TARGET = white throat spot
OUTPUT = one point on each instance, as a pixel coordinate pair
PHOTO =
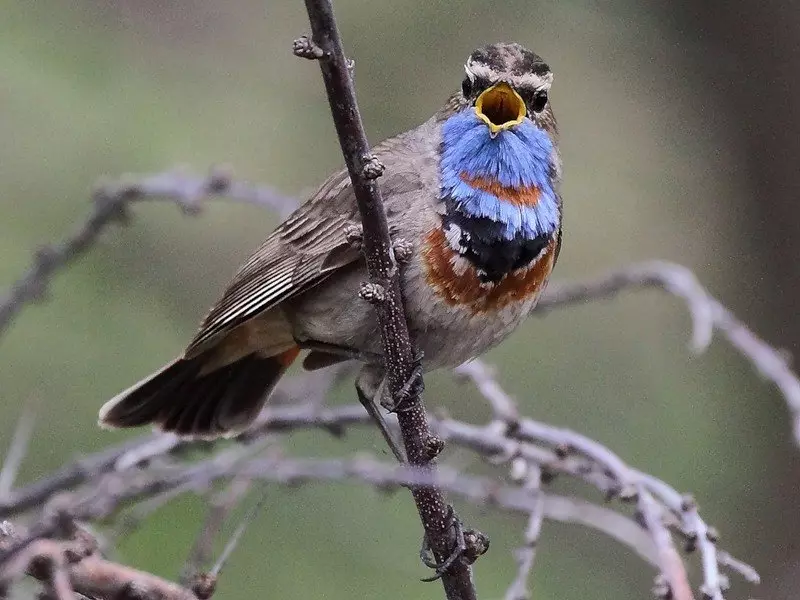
(456, 237)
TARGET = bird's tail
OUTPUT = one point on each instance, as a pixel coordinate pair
(189, 399)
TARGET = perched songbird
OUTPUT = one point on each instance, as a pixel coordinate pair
(475, 191)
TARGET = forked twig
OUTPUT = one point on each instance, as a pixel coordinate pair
(110, 203)
(708, 315)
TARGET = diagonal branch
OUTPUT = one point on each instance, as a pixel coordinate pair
(649, 492)
(110, 203)
(436, 515)
(708, 314)
(526, 555)
(16, 451)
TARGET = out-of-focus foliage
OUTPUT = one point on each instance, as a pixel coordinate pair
(98, 88)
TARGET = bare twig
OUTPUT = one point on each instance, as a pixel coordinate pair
(111, 200)
(518, 590)
(707, 314)
(276, 469)
(16, 450)
(749, 573)
(98, 578)
(436, 515)
(234, 540)
(108, 495)
(204, 583)
(506, 412)
(629, 483)
(712, 581)
(220, 506)
(669, 561)
(68, 476)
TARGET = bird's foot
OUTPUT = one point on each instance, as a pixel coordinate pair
(460, 546)
(345, 352)
(412, 388)
(369, 405)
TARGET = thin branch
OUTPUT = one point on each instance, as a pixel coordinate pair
(436, 515)
(669, 561)
(712, 580)
(518, 590)
(630, 481)
(707, 313)
(219, 508)
(99, 578)
(204, 583)
(67, 477)
(238, 534)
(749, 573)
(17, 450)
(109, 496)
(110, 203)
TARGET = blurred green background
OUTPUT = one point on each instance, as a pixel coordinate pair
(680, 133)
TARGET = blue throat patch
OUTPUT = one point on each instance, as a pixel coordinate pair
(515, 158)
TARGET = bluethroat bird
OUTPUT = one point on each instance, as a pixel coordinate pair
(474, 189)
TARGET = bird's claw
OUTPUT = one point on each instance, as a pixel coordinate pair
(412, 388)
(426, 554)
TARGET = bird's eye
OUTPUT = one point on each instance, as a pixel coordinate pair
(466, 87)
(539, 101)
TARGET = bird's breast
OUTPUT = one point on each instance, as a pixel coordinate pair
(459, 284)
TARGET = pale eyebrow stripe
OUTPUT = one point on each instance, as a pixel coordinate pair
(532, 80)
(528, 80)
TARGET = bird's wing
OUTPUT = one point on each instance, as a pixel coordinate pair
(311, 244)
(302, 252)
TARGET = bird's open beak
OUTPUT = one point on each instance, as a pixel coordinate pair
(500, 107)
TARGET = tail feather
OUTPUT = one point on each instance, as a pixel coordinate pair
(185, 399)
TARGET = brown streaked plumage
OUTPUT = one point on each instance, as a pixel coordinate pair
(301, 286)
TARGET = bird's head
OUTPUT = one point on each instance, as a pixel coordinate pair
(505, 84)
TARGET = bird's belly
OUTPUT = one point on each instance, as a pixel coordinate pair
(457, 316)
(450, 334)
(335, 314)
(449, 340)
(450, 324)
